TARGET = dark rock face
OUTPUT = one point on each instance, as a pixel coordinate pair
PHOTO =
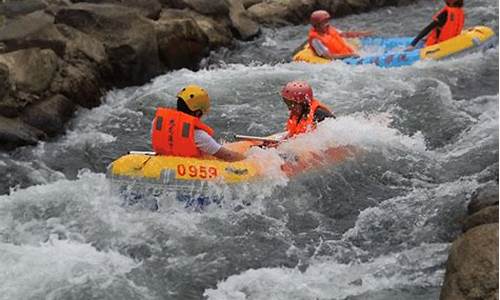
(241, 22)
(15, 133)
(49, 115)
(32, 70)
(483, 197)
(217, 31)
(79, 83)
(181, 42)
(130, 39)
(12, 9)
(35, 30)
(472, 268)
(486, 215)
(213, 7)
(4, 82)
(147, 8)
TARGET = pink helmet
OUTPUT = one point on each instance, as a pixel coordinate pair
(319, 16)
(297, 91)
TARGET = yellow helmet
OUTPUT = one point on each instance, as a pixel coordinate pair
(195, 97)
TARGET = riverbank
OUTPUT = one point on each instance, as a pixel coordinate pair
(56, 56)
(472, 267)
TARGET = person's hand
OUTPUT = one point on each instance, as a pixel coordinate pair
(368, 33)
(410, 48)
(270, 144)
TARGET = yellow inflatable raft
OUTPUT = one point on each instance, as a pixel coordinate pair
(175, 172)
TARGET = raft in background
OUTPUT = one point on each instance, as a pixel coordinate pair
(475, 38)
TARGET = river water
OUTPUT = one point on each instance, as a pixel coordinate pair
(377, 226)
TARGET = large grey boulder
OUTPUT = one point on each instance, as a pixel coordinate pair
(212, 7)
(245, 27)
(15, 133)
(81, 83)
(472, 267)
(49, 115)
(12, 9)
(279, 13)
(148, 8)
(32, 70)
(181, 42)
(35, 30)
(486, 215)
(38, 30)
(4, 82)
(248, 3)
(80, 46)
(270, 13)
(216, 30)
(336, 8)
(129, 38)
(486, 195)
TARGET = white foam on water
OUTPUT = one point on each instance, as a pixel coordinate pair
(331, 280)
(414, 218)
(371, 132)
(55, 267)
(482, 133)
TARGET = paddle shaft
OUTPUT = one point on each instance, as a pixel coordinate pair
(256, 138)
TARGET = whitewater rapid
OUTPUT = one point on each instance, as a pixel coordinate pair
(377, 226)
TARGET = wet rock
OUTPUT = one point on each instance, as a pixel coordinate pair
(49, 115)
(281, 13)
(486, 215)
(472, 267)
(248, 3)
(484, 196)
(4, 82)
(270, 13)
(31, 69)
(32, 31)
(11, 9)
(217, 31)
(129, 38)
(181, 42)
(358, 5)
(337, 8)
(81, 46)
(80, 83)
(212, 7)
(15, 133)
(147, 8)
(245, 27)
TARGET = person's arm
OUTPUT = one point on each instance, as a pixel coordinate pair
(439, 22)
(356, 34)
(228, 155)
(322, 114)
(322, 50)
(207, 145)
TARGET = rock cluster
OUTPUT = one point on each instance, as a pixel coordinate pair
(472, 267)
(56, 55)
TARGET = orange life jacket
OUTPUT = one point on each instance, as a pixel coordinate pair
(332, 40)
(173, 133)
(453, 26)
(295, 126)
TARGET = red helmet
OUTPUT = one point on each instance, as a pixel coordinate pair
(297, 91)
(319, 16)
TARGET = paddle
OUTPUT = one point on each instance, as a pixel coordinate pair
(257, 138)
(142, 152)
